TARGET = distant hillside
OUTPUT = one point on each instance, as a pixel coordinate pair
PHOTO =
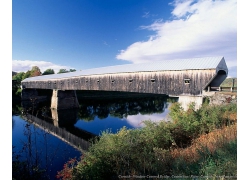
(229, 82)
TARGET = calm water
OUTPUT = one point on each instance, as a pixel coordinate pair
(49, 138)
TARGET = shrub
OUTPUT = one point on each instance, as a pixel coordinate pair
(194, 143)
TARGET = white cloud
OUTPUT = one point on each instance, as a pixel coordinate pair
(146, 15)
(25, 65)
(182, 8)
(198, 29)
(137, 120)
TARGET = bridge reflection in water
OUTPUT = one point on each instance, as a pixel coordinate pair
(61, 125)
(97, 113)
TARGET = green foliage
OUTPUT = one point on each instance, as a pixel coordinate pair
(195, 122)
(128, 151)
(35, 71)
(147, 150)
(229, 82)
(18, 77)
(27, 75)
(16, 83)
(48, 71)
(62, 71)
(65, 71)
(223, 162)
(16, 90)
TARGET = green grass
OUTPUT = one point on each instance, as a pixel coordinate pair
(229, 82)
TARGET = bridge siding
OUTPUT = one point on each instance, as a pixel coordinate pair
(166, 82)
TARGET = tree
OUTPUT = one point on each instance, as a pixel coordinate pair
(62, 71)
(72, 70)
(35, 71)
(48, 71)
(27, 74)
(18, 77)
(16, 83)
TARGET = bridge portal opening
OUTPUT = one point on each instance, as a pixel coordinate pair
(218, 79)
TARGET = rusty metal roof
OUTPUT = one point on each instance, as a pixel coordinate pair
(168, 65)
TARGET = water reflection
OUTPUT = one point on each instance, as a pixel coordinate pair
(121, 108)
(75, 127)
(64, 118)
(59, 123)
(95, 115)
(44, 139)
(37, 154)
(100, 114)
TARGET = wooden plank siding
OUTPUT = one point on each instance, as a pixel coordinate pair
(158, 82)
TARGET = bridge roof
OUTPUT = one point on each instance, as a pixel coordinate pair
(168, 65)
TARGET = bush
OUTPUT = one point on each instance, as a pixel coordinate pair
(166, 148)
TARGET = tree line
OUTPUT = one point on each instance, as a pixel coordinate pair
(35, 71)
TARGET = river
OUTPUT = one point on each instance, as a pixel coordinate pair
(45, 139)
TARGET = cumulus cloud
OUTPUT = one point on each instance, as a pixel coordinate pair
(25, 65)
(197, 29)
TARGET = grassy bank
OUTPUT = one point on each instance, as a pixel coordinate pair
(197, 142)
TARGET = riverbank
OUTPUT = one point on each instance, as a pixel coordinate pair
(199, 142)
(219, 98)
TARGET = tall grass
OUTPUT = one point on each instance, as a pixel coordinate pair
(211, 154)
(196, 142)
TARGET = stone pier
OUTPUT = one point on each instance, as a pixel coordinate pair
(65, 117)
(64, 99)
(186, 100)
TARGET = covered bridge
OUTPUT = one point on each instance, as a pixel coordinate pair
(172, 77)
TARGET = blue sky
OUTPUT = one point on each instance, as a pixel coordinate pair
(84, 34)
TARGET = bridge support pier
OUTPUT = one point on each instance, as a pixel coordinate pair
(186, 100)
(66, 117)
(64, 99)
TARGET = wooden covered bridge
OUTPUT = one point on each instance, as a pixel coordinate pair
(181, 77)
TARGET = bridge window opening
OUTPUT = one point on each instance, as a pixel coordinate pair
(187, 81)
(112, 81)
(98, 81)
(152, 80)
(76, 82)
(86, 81)
(130, 80)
